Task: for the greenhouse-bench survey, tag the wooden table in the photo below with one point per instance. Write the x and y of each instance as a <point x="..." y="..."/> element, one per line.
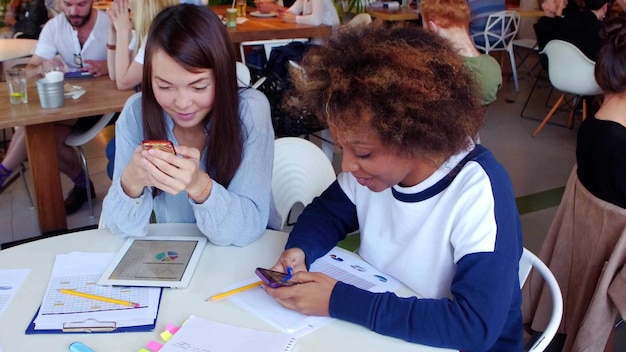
<point x="101" y="97"/>
<point x="257" y="28"/>
<point x="403" y="13"/>
<point x="527" y="12"/>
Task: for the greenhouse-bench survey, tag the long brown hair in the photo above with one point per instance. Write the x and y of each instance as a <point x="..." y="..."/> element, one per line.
<point x="195" y="37"/>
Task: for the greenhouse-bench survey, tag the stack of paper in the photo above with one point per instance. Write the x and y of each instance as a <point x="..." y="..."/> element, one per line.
<point x="65" y="312"/>
<point x="199" y="334"/>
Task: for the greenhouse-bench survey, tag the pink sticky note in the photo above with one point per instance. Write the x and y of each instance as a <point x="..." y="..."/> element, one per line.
<point x="171" y="328"/>
<point x="155" y="346"/>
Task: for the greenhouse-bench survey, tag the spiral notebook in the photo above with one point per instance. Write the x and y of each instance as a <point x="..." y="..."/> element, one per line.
<point x="198" y="334"/>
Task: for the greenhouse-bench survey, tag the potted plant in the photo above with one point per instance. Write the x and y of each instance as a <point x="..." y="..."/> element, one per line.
<point x="3" y="11"/>
<point x="356" y="6"/>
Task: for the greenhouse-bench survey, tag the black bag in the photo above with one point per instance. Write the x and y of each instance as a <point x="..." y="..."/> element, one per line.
<point x="286" y="122"/>
<point x="30" y="19"/>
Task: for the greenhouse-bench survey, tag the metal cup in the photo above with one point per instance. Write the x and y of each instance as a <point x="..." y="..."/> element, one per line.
<point x="50" y="93"/>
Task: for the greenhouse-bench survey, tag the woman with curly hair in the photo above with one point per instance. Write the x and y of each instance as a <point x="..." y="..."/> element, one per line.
<point x="434" y="210"/>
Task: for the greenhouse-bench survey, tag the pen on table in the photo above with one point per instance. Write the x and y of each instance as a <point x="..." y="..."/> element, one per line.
<point x="232" y="292"/>
<point x="100" y="298"/>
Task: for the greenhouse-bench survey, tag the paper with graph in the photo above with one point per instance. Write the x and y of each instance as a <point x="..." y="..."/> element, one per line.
<point x="338" y="264"/>
<point x="10" y="282"/>
<point x="80" y="271"/>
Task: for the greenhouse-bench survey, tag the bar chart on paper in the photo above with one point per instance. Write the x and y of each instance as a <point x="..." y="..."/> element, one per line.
<point x="95" y="308"/>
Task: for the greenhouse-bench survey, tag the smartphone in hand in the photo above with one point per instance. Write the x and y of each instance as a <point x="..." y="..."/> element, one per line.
<point x="164" y="145"/>
<point x="274" y="279"/>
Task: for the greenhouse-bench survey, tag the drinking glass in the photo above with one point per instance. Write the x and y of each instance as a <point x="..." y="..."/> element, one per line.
<point x="241" y="8"/>
<point x="231" y="17"/>
<point x="16" y="79"/>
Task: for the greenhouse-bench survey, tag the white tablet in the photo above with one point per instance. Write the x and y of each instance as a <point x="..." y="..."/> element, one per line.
<point x="155" y="261"/>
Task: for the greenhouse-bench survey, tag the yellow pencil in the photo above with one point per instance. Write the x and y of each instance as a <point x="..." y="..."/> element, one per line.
<point x="99" y="298"/>
<point x="232" y="292"/>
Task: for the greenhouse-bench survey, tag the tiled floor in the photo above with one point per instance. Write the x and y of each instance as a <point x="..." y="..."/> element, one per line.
<point x="535" y="164"/>
<point x="18" y="220"/>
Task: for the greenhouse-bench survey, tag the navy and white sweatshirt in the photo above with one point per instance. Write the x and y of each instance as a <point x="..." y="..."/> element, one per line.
<point x="455" y="239"/>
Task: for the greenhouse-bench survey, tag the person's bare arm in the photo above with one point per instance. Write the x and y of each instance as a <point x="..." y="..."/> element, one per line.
<point x="33" y="68"/>
<point x="125" y="71"/>
<point x="560" y="5"/>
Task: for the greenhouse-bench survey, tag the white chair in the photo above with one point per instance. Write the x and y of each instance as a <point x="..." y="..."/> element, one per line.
<point x="244" y="78"/>
<point x="498" y="35"/>
<point x="78" y="139"/>
<point x="268" y="45"/>
<point x="101" y="223"/>
<point x="530" y="261"/>
<point x="301" y="172"/>
<point x="571" y="72"/>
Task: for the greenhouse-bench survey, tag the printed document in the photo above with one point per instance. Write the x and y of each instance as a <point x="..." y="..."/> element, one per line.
<point x="10" y="282"/>
<point x="80" y="271"/>
<point x="199" y="334"/>
<point x="338" y="264"/>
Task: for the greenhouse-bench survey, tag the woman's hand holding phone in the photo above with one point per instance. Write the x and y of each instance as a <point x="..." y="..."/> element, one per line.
<point x="312" y="296"/>
<point x="291" y="258"/>
<point x="171" y="173"/>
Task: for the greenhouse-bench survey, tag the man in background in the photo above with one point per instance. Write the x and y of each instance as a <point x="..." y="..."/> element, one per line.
<point x="78" y="37"/>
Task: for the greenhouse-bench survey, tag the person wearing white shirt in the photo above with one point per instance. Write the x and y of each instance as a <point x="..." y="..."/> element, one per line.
<point x="78" y="36"/>
<point x="126" y="66"/>
<point x="311" y="12"/>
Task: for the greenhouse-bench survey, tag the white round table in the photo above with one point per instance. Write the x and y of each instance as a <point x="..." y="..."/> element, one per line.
<point x="16" y="48"/>
<point x="219" y="267"/>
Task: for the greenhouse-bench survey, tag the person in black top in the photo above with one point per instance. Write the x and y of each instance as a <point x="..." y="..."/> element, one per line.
<point x="582" y="28"/>
<point x="548" y="25"/>
<point x="27" y="17"/>
<point x="601" y="144"/>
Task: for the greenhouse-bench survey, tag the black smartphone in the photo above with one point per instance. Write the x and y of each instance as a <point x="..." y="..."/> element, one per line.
<point x="274" y="279"/>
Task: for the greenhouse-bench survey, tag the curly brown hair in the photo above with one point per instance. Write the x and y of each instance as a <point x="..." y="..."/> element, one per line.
<point x="406" y="84"/>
